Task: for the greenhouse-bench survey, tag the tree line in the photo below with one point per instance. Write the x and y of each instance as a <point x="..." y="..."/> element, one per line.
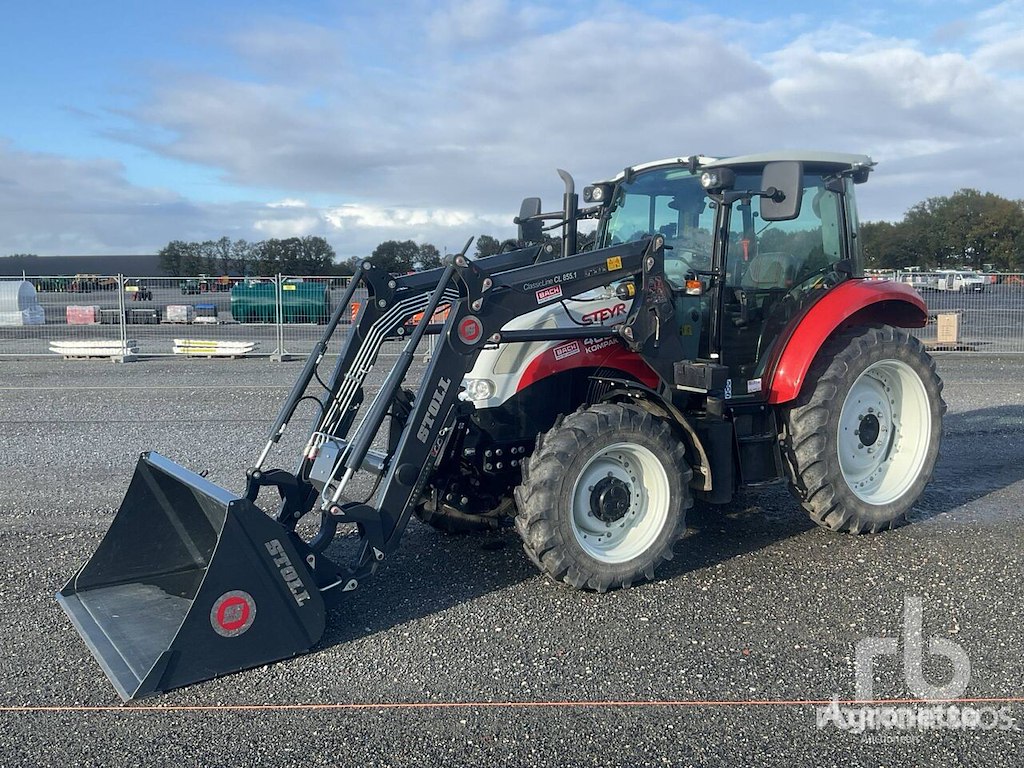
<point x="290" y="256"/>
<point x="966" y="229"/>
<point x="302" y="256"/>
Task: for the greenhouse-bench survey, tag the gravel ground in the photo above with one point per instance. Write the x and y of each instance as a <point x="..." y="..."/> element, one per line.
<point x="758" y="605"/>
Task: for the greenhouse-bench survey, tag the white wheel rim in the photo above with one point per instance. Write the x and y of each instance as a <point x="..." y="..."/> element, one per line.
<point x="644" y="476"/>
<point x="885" y="429"/>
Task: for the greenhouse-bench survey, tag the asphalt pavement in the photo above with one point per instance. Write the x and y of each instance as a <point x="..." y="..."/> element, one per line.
<point x="459" y="653"/>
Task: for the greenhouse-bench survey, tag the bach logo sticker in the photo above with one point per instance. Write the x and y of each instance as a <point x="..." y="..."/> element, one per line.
<point x="546" y="294"/>
<point x="233" y="613"/>
<point x="567" y="350"/>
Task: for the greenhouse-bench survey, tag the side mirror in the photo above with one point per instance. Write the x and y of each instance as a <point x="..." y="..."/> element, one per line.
<point x="782" y="184"/>
<point x="530" y="228"/>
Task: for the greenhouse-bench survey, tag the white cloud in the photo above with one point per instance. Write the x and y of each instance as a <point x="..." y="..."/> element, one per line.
<point x="470" y="21"/>
<point x="282" y="228"/>
<point x="353" y="215"/>
<point x="288" y="202"/>
<point x="433" y="123"/>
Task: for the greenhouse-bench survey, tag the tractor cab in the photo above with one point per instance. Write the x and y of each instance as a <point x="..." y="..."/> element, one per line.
<point x="749" y="242"/>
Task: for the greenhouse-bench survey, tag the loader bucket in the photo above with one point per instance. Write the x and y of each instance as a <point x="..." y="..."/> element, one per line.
<point x="191" y="582"/>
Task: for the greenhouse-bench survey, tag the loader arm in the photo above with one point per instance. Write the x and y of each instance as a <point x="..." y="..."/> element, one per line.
<point x="191" y="581"/>
<point x="481" y="299"/>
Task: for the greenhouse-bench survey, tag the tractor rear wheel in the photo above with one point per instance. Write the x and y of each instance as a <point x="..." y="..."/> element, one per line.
<point x="862" y="440"/>
<point x="603" y="497"/>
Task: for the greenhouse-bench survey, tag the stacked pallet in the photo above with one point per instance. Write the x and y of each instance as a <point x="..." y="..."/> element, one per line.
<point x="206" y="348"/>
<point x="96" y="348"/>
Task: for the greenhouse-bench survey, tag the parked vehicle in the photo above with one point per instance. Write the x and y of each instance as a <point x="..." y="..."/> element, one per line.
<point x="137" y="290"/>
<point x="719" y="336"/>
<point x="956" y="280"/>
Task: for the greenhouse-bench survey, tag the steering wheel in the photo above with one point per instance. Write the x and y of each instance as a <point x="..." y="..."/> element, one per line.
<point x="795" y="292"/>
<point x="687" y="256"/>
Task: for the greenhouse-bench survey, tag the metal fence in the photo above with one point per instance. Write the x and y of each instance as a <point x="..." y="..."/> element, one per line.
<point x="132" y="315"/>
<point x="969" y="311"/>
<point x="283" y="315"/>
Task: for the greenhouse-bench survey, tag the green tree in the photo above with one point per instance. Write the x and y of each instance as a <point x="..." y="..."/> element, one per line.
<point x="888" y="246"/>
<point x="968" y="228"/>
<point x="179" y="258"/>
<point x="487" y="246"/>
<point x="396" y="257"/>
<point x="429" y="257"/>
<point x="241" y="257"/>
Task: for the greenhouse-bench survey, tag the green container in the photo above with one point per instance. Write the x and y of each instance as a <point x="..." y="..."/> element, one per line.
<point x="256" y="302"/>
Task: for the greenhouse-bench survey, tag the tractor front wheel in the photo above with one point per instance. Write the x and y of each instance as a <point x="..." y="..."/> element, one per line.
<point x="862" y="440"/>
<point x="603" y="497"/>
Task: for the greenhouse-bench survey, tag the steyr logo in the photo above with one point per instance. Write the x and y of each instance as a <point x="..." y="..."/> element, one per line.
<point x="605" y="313"/>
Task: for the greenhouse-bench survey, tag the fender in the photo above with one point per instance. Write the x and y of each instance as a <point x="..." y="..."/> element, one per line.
<point x="587" y="353"/>
<point x="853" y="302"/>
<point x="702" y="479"/>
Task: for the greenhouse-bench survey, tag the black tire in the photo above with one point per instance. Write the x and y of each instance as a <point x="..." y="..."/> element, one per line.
<point x="562" y="541"/>
<point x="862" y="439"/>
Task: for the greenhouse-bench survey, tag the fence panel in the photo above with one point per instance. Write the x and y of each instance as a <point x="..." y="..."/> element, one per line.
<point x="306" y="305"/>
<point x="201" y="316"/>
<point x="285" y="315"/>
<point x="971" y="312"/>
<point x="36" y="312"/>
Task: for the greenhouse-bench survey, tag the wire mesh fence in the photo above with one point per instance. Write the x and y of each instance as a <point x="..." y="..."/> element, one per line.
<point x="124" y="315"/>
<point x="970" y="311"/>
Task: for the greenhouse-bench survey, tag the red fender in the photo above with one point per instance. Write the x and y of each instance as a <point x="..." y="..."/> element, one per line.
<point x="851" y="303"/>
<point x="587" y="353"/>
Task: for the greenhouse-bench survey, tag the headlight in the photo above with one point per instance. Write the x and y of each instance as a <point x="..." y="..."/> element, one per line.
<point x="477" y="389"/>
<point x="597" y="193"/>
<point x="718" y="178"/>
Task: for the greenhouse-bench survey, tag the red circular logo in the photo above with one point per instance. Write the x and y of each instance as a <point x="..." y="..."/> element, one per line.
<point x="233" y="613"/>
<point x="470" y="329"/>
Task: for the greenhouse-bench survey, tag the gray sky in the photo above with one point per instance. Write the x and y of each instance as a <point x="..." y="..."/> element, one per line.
<point x="430" y="120"/>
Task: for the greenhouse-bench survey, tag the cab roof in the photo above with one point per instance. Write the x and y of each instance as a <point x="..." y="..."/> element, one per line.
<point x="837" y="160"/>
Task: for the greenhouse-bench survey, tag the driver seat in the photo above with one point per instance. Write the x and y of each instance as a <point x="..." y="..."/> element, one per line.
<point x="768" y="270"/>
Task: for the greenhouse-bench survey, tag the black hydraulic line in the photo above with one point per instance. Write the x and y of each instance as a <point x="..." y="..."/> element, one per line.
<point x="557" y="334"/>
<point x="312" y="361"/>
<point x="365" y="435"/>
<point x="423" y="282"/>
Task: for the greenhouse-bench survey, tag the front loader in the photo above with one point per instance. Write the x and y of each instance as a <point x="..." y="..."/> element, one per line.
<point x="716" y="336"/>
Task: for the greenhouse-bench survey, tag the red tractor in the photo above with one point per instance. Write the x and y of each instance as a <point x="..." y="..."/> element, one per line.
<point x="718" y="334"/>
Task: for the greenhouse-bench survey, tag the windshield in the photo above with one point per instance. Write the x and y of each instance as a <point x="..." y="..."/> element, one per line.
<point x="670" y="202"/>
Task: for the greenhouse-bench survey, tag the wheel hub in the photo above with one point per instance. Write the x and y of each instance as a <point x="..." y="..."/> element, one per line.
<point x="610" y="500"/>
<point x="869" y="429"/>
<point x="884" y="431"/>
